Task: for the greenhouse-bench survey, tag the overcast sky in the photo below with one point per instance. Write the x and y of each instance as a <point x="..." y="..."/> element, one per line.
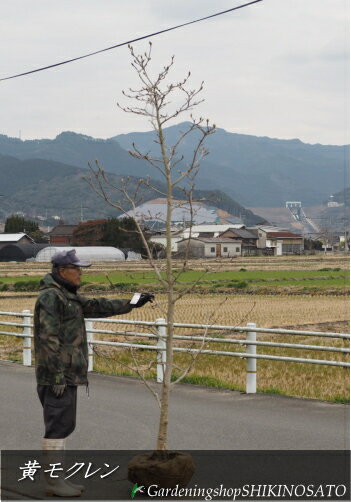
<point x="279" y="68"/>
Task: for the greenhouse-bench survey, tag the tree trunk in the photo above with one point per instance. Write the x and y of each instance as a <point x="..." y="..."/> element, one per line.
<point x="162" y="438"/>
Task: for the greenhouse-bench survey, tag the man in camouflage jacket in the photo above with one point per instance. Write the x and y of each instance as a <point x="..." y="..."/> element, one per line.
<point x="61" y="349"/>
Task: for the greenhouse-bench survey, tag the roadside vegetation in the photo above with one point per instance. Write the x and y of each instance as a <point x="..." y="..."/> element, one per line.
<point x="285" y="378"/>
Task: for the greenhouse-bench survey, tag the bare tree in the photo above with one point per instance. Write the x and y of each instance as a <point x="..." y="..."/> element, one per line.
<point x="154" y="100"/>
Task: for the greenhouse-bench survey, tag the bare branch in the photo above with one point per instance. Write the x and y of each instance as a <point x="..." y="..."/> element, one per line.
<point x="135" y="370"/>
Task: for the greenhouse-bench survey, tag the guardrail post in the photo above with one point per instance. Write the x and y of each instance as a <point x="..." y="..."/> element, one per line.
<point x="27" y="341"/>
<point x="161" y="354"/>
<point x="251" y="361"/>
<point x="90" y="338"/>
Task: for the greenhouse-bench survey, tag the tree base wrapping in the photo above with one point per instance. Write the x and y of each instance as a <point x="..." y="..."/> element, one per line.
<point x="167" y="469"/>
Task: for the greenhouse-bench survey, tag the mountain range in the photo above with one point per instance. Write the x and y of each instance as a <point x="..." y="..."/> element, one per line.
<point x="254" y="171"/>
<point x="260" y="170"/>
<point x="45" y="187"/>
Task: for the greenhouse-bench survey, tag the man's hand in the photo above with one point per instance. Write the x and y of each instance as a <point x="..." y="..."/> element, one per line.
<point x="58" y="389"/>
<point x="144" y="298"/>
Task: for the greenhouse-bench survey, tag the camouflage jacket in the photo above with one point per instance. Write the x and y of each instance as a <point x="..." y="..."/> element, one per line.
<point x="60" y="341"/>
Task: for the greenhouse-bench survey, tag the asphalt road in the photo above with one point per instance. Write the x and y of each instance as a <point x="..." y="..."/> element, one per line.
<point x="122" y="414"/>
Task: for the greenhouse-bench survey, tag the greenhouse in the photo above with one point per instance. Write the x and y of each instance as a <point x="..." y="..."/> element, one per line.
<point x="85" y="253"/>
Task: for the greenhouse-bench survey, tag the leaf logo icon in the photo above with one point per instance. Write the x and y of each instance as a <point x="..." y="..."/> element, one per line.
<point x="136" y="489"/>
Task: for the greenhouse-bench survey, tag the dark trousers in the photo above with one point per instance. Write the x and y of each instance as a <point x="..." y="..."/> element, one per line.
<point x="59" y="412"/>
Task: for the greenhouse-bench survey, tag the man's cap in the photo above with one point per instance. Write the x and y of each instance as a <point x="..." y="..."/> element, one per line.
<point x="63" y="258"/>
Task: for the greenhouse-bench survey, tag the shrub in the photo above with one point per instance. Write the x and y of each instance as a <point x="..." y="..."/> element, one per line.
<point x="237" y="284"/>
<point x="241" y="284"/>
<point x="124" y="285"/>
<point x="26" y="286"/>
<point x="95" y="287"/>
<point x="342" y="399"/>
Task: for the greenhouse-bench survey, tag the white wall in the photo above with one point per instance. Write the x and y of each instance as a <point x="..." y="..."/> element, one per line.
<point x="279" y="248"/>
<point x="230" y="253"/>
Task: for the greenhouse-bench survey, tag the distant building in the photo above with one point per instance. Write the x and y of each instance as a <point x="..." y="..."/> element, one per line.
<point x="19" y="238"/>
<point x="196" y="231"/>
<point x="210" y="247"/>
<point x="62" y="234"/>
<point x="285" y="243"/>
<point x="278" y="241"/>
<point x="209" y="240"/>
<point x="334" y="203"/>
<point x="248" y="240"/>
<point x="209" y="230"/>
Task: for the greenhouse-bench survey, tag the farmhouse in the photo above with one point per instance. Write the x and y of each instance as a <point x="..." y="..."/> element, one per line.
<point x="279" y="241"/>
<point x="248" y="239"/>
<point x="19" y="238"/>
<point x="196" y="231"/>
<point x="209" y="247"/>
<point x="288" y="242"/>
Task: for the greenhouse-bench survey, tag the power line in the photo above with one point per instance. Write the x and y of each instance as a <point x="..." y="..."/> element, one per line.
<point x="129" y="41"/>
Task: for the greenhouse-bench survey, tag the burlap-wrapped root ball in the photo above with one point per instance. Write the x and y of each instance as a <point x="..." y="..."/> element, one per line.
<point x="167" y="469"/>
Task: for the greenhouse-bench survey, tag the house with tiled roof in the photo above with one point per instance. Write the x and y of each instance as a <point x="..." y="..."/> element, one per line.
<point x="248" y="240"/>
<point x="62" y="234"/>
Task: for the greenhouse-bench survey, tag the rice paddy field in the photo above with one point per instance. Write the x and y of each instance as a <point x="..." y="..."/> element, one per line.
<point x="251" y="275"/>
<point x="302" y="293"/>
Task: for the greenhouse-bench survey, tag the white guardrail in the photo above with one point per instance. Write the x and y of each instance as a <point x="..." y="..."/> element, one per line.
<point x="160" y="335"/>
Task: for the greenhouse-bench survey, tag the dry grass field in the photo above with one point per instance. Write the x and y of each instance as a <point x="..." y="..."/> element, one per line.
<point x="234" y="310"/>
<point x="302" y="312"/>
